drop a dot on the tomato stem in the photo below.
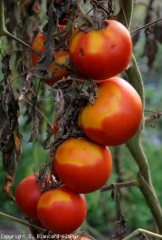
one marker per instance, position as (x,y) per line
(120,185)
(18,220)
(134,144)
(70,23)
(142,231)
(136,150)
(152,200)
(91,23)
(147,25)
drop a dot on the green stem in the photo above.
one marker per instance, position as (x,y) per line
(142,231)
(152,201)
(4,32)
(70,23)
(93,231)
(84,16)
(136,150)
(134,144)
(135,78)
(25,223)
(133,183)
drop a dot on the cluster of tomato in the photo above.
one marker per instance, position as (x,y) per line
(84,164)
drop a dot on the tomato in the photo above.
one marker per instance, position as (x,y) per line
(38,45)
(84,238)
(82,165)
(61,57)
(118,113)
(61,211)
(27,195)
(103,53)
(61,27)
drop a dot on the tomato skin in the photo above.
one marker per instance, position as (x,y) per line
(38,45)
(101,54)
(61,211)
(82,165)
(27,195)
(61,57)
(118,113)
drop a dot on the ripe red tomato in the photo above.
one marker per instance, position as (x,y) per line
(82,165)
(118,113)
(101,54)
(61,211)
(61,57)
(27,195)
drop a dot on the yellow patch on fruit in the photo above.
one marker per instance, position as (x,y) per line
(62,59)
(75,151)
(98,42)
(47,199)
(75,38)
(110,102)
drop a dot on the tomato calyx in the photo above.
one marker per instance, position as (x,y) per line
(45,180)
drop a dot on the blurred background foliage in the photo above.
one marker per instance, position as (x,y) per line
(103,208)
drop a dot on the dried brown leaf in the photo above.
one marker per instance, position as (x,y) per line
(11,153)
(158,32)
(50,134)
(35,121)
(150,51)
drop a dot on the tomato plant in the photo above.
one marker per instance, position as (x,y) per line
(103,53)
(82,165)
(118,113)
(61,57)
(27,195)
(61,211)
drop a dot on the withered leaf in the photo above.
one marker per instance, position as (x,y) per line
(135,38)
(10,138)
(35,121)
(158,32)
(150,51)
(11,153)
(3,111)
(49,132)
(10,141)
